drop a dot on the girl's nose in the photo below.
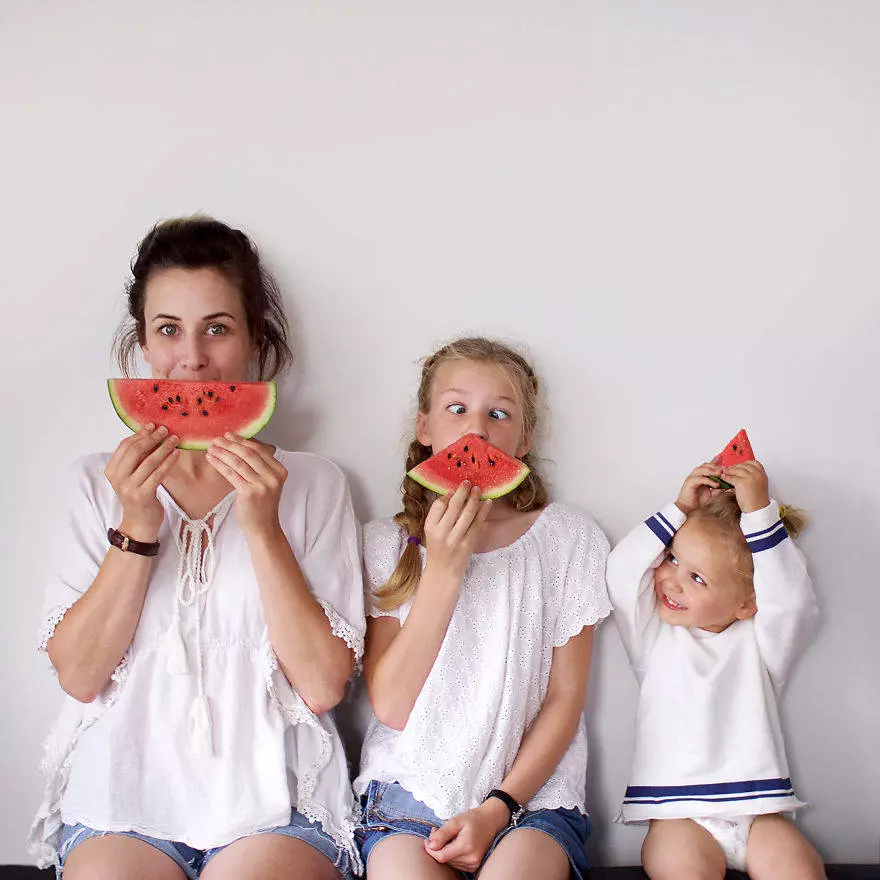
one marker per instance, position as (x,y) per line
(479,426)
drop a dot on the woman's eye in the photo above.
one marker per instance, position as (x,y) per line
(456,409)
(217,329)
(168,330)
(499,414)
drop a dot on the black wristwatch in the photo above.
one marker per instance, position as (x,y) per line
(517,810)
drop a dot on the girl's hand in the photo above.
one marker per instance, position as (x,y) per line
(135,470)
(750,483)
(257,477)
(463,841)
(698,487)
(452,526)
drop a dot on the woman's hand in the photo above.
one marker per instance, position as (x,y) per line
(699,487)
(135,470)
(257,477)
(749,480)
(463,841)
(452,527)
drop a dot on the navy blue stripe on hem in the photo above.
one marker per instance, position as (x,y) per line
(661,531)
(711,800)
(744,785)
(769,542)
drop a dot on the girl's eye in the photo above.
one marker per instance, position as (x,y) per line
(217,329)
(168,330)
(697,579)
(671,559)
(456,409)
(499,414)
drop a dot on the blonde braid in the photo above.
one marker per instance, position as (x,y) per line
(416,502)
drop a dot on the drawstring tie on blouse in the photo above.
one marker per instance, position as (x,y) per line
(194,572)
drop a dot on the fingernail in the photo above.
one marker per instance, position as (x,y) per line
(163,430)
(174,438)
(149,426)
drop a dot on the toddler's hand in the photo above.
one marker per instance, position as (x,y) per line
(750,482)
(698,487)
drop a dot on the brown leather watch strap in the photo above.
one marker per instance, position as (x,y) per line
(129,545)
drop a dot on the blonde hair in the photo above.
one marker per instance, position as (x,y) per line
(531,494)
(722,516)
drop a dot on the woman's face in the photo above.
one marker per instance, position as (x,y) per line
(195,327)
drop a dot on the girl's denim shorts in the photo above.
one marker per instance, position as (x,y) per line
(192,861)
(388,808)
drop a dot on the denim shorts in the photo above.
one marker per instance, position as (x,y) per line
(388,808)
(192,861)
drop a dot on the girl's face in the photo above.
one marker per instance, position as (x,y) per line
(697,585)
(195,327)
(473,397)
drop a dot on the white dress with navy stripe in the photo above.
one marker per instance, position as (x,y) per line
(708,740)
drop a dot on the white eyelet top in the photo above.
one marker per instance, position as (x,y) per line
(199,737)
(487,685)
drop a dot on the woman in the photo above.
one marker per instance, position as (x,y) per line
(200,667)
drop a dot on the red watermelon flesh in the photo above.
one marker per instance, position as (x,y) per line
(471,458)
(197,412)
(737,451)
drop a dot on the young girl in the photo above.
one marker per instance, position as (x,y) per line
(478,650)
(201,655)
(713,601)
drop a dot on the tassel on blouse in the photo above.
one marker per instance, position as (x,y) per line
(200,728)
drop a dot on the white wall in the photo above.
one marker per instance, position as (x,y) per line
(674,205)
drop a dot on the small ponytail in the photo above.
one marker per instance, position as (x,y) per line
(794,519)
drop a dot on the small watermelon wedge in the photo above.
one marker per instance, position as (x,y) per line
(737,451)
(197,412)
(471,458)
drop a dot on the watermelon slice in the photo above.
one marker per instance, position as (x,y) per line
(471,458)
(196,412)
(737,451)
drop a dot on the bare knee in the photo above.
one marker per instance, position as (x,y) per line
(679,849)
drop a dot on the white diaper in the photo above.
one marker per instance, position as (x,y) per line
(732,835)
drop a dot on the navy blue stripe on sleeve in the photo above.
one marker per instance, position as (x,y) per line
(661,527)
(767,538)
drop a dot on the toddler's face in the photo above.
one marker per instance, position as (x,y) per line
(473,397)
(697,584)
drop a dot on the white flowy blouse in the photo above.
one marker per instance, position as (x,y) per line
(199,737)
(491,674)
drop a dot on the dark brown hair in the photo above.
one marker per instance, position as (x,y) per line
(531,494)
(201,242)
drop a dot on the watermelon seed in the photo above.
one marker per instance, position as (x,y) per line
(184,413)
(473,460)
(210,394)
(198,400)
(232,387)
(449,455)
(178,398)
(491,462)
(164,406)
(204,412)
(458,464)
(171,400)
(218,399)
(465,449)
(155,388)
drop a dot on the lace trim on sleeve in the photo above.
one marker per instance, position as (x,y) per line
(49,624)
(44,838)
(295,712)
(342,629)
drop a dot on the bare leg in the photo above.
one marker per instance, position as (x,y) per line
(403,855)
(778,851)
(119,857)
(270,857)
(526,853)
(679,849)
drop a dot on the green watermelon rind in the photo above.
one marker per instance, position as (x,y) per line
(246,431)
(493,493)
